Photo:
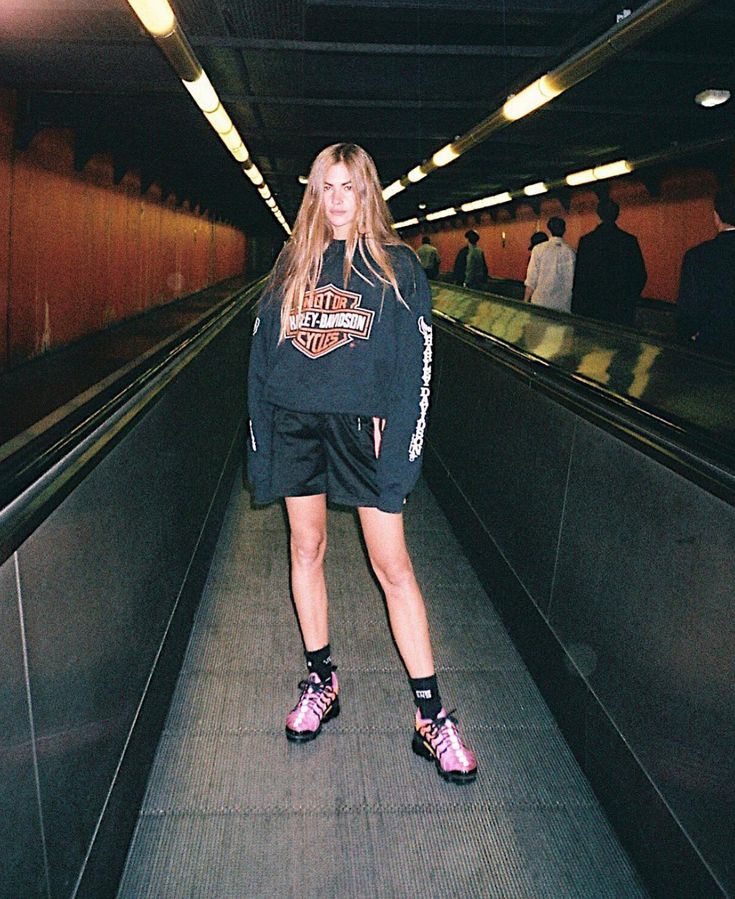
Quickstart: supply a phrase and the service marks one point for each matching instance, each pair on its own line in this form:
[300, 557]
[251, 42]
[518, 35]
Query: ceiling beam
[498, 51]
[353, 48]
[104, 90]
[373, 49]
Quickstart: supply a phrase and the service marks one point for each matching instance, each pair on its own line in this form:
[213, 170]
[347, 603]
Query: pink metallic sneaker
[438, 739]
[318, 703]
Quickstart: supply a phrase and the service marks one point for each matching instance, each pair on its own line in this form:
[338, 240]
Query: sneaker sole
[305, 736]
[455, 777]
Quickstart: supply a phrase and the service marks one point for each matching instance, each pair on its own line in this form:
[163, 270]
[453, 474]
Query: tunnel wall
[95, 610]
[7, 105]
[613, 573]
[666, 226]
[79, 253]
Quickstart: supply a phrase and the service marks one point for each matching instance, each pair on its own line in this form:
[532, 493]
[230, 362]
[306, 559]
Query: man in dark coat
[460, 265]
[706, 305]
[610, 272]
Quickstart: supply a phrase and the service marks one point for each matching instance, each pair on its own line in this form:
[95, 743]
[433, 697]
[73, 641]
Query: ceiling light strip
[586, 176]
[607, 170]
[533, 190]
[159, 20]
[441, 214]
[405, 224]
[650, 16]
[484, 202]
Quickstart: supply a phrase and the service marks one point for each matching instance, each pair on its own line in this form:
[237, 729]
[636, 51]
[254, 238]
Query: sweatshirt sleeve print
[401, 450]
[260, 412]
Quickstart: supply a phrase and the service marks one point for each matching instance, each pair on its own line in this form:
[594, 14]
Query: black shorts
[325, 452]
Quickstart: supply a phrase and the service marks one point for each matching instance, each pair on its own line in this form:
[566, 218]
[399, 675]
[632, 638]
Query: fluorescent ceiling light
[231, 139]
[156, 16]
[712, 97]
[613, 169]
[609, 170]
[536, 94]
[254, 174]
[416, 174]
[219, 120]
[240, 153]
[483, 203]
[202, 92]
[531, 190]
[583, 177]
[441, 214]
[405, 224]
[392, 190]
[444, 156]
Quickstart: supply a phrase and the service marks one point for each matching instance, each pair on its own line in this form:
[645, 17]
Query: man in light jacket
[550, 273]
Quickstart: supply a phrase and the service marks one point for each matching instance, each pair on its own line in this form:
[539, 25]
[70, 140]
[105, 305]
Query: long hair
[299, 265]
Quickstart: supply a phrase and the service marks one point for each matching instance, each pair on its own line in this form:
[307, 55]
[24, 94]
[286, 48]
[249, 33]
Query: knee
[308, 548]
[394, 574]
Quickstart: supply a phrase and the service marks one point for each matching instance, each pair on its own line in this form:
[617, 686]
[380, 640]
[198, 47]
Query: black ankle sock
[426, 695]
[320, 661]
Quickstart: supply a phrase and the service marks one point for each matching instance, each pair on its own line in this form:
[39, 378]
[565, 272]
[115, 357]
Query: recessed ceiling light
[303, 179]
[711, 97]
[422, 205]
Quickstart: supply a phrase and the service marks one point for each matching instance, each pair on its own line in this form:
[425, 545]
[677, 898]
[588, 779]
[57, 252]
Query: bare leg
[307, 516]
[389, 557]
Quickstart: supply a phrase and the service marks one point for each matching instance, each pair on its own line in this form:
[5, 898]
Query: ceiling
[400, 77]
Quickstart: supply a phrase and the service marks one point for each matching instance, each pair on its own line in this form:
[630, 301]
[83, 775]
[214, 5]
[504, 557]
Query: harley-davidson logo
[331, 317]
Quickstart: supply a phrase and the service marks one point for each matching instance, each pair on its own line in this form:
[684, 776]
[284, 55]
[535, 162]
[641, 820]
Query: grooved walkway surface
[235, 810]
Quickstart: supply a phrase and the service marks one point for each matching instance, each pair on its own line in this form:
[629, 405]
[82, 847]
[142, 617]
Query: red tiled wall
[79, 252]
[666, 227]
[7, 113]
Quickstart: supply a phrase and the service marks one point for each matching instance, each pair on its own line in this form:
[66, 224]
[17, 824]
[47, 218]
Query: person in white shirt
[550, 274]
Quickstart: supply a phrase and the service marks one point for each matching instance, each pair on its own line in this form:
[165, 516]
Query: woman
[338, 393]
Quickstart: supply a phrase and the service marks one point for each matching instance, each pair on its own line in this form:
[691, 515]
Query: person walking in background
[338, 394]
[550, 273]
[460, 264]
[429, 257]
[610, 272]
[475, 274]
[706, 304]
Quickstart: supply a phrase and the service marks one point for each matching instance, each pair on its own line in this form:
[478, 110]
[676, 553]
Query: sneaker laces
[312, 692]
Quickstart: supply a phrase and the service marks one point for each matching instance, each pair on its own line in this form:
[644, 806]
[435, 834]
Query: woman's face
[340, 202]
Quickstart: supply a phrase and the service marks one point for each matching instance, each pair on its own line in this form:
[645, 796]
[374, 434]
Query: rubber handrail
[34, 481]
[681, 446]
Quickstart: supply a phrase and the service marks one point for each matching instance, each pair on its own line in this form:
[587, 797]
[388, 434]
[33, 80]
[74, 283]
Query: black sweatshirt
[359, 351]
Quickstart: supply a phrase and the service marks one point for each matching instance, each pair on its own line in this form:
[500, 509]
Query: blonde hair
[299, 265]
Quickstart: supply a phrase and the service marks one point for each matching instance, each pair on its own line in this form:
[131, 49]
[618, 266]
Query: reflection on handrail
[687, 449]
[690, 392]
